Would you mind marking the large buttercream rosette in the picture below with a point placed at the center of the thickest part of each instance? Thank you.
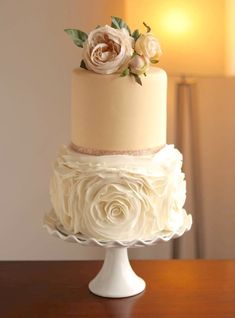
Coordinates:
(108, 50)
(119, 197)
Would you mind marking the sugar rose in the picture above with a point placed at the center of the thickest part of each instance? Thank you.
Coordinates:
(148, 46)
(139, 65)
(107, 50)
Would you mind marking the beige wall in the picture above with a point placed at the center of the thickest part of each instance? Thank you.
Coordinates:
(216, 114)
(214, 122)
(35, 71)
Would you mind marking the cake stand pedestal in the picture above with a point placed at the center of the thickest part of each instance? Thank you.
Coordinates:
(116, 279)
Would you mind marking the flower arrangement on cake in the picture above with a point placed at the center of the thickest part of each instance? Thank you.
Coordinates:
(115, 49)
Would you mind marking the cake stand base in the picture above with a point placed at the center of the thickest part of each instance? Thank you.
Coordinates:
(116, 278)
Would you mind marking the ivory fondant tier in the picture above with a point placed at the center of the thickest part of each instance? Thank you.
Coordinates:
(119, 197)
(114, 114)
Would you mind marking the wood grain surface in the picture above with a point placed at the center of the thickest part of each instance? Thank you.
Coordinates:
(175, 288)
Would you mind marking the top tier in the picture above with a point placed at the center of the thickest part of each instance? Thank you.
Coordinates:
(111, 114)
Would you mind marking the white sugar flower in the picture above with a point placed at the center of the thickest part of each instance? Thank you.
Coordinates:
(138, 65)
(107, 50)
(148, 46)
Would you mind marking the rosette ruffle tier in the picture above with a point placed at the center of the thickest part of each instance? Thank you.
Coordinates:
(119, 197)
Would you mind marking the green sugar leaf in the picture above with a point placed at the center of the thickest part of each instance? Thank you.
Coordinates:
(154, 61)
(118, 23)
(125, 72)
(134, 54)
(137, 78)
(83, 65)
(78, 36)
(136, 34)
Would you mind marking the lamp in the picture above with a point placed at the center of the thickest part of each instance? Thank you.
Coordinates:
(197, 38)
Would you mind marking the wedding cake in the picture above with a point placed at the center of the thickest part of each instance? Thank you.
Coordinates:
(118, 179)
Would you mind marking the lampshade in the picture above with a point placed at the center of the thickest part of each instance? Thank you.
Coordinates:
(197, 36)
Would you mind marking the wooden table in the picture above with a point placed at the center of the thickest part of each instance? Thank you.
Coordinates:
(174, 289)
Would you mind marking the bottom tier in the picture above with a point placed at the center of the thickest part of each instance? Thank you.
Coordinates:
(119, 197)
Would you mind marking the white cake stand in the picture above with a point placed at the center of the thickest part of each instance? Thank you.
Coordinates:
(116, 278)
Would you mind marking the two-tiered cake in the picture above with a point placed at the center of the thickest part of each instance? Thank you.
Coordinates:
(118, 180)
